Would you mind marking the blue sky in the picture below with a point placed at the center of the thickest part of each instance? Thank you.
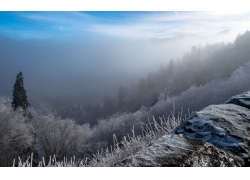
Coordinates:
(127, 24)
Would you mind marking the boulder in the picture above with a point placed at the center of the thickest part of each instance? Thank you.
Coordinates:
(226, 126)
(218, 135)
(241, 100)
(179, 150)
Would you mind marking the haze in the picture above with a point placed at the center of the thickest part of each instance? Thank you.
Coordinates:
(89, 54)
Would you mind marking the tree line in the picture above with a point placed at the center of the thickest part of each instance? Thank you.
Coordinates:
(200, 65)
(205, 75)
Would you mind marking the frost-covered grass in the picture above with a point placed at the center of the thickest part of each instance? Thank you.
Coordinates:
(110, 156)
(51, 163)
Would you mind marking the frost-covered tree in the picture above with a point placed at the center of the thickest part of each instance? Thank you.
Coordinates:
(121, 95)
(59, 137)
(170, 70)
(242, 41)
(15, 137)
(19, 93)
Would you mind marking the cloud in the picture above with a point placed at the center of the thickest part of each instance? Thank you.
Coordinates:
(130, 24)
(169, 24)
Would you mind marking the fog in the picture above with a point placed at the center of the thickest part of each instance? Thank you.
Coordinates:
(95, 88)
(88, 67)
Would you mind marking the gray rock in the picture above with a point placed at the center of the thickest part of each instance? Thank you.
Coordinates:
(179, 150)
(218, 135)
(241, 100)
(208, 155)
(226, 126)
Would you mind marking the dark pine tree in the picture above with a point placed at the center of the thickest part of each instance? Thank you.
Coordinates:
(19, 94)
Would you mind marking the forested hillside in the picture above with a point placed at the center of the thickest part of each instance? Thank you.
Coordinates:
(196, 68)
(205, 75)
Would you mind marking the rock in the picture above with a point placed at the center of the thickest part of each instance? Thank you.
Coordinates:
(179, 150)
(241, 100)
(166, 151)
(218, 135)
(208, 155)
(226, 126)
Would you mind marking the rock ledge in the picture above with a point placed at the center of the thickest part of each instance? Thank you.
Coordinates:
(218, 135)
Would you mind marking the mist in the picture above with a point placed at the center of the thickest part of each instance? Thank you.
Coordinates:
(91, 89)
(88, 68)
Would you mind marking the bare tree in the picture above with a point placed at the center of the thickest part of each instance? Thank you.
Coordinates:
(59, 137)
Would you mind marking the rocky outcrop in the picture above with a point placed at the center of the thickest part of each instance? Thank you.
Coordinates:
(180, 150)
(218, 135)
(225, 126)
(241, 100)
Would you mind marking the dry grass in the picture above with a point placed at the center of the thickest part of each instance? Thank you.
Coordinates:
(120, 150)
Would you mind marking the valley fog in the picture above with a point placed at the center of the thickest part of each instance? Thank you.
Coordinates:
(87, 69)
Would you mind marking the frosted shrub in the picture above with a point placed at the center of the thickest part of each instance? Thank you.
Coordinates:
(59, 137)
(118, 124)
(120, 150)
(15, 137)
(5, 104)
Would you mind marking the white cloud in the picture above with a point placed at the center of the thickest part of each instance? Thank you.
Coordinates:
(163, 25)
(147, 25)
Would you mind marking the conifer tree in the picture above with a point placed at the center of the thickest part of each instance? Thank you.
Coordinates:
(19, 94)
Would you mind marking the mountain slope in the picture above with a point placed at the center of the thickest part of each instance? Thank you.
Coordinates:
(218, 135)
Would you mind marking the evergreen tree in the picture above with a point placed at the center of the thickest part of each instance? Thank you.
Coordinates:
(170, 70)
(121, 95)
(19, 94)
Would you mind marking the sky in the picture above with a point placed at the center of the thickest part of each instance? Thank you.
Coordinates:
(118, 24)
(79, 52)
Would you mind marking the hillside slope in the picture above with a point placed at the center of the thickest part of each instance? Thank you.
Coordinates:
(218, 135)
